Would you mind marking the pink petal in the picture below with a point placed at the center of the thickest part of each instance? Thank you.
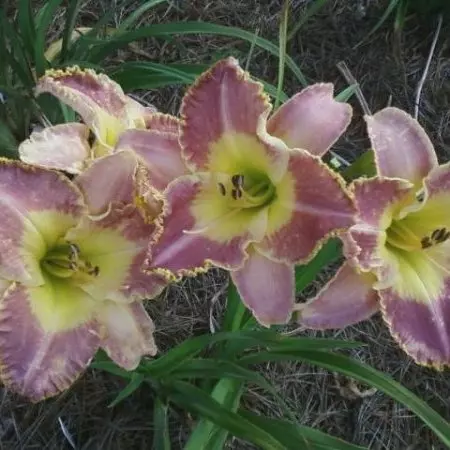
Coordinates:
(162, 122)
(311, 120)
(402, 148)
(109, 179)
(422, 329)
(62, 147)
(319, 206)
(83, 90)
(267, 288)
(223, 100)
(129, 333)
(137, 113)
(100, 102)
(161, 152)
(35, 362)
(185, 249)
(38, 205)
(377, 201)
(346, 299)
(117, 244)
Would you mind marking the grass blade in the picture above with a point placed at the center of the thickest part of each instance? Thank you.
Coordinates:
(305, 274)
(313, 9)
(182, 28)
(46, 16)
(136, 380)
(69, 26)
(137, 13)
(287, 433)
(387, 12)
(199, 402)
(347, 93)
(282, 45)
(363, 166)
(161, 438)
(26, 25)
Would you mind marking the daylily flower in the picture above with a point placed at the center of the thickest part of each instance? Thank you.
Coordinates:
(398, 250)
(70, 271)
(107, 112)
(254, 203)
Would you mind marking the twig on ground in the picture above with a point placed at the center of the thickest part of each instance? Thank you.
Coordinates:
(427, 67)
(345, 71)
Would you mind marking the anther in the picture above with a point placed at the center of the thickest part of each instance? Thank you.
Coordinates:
(237, 181)
(420, 196)
(222, 189)
(236, 193)
(438, 234)
(426, 242)
(95, 271)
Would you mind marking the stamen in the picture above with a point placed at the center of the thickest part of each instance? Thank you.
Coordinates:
(237, 181)
(426, 242)
(420, 196)
(236, 193)
(222, 189)
(438, 234)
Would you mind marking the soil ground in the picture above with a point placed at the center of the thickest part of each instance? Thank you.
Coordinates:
(388, 68)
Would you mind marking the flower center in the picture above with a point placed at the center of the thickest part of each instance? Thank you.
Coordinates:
(64, 261)
(400, 236)
(247, 191)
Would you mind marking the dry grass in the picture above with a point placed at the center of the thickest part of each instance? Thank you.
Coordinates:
(388, 68)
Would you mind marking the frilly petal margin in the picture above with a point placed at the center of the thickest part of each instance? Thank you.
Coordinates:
(164, 123)
(318, 207)
(62, 147)
(267, 288)
(223, 100)
(311, 120)
(182, 248)
(36, 363)
(84, 89)
(422, 329)
(346, 299)
(99, 100)
(160, 151)
(129, 333)
(33, 219)
(401, 146)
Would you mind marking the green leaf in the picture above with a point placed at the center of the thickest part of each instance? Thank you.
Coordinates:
(313, 9)
(346, 94)
(206, 434)
(46, 16)
(366, 374)
(69, 25)
(287, 433)
(135, 381)
(305, 274)
(161, 438)
(147, 75)
(163, 30)
(387, 12)
(235, 310)
(282, 45)
(364, 166)
(199, 402)
(8, 143)
(26, 25)
(137, 13)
